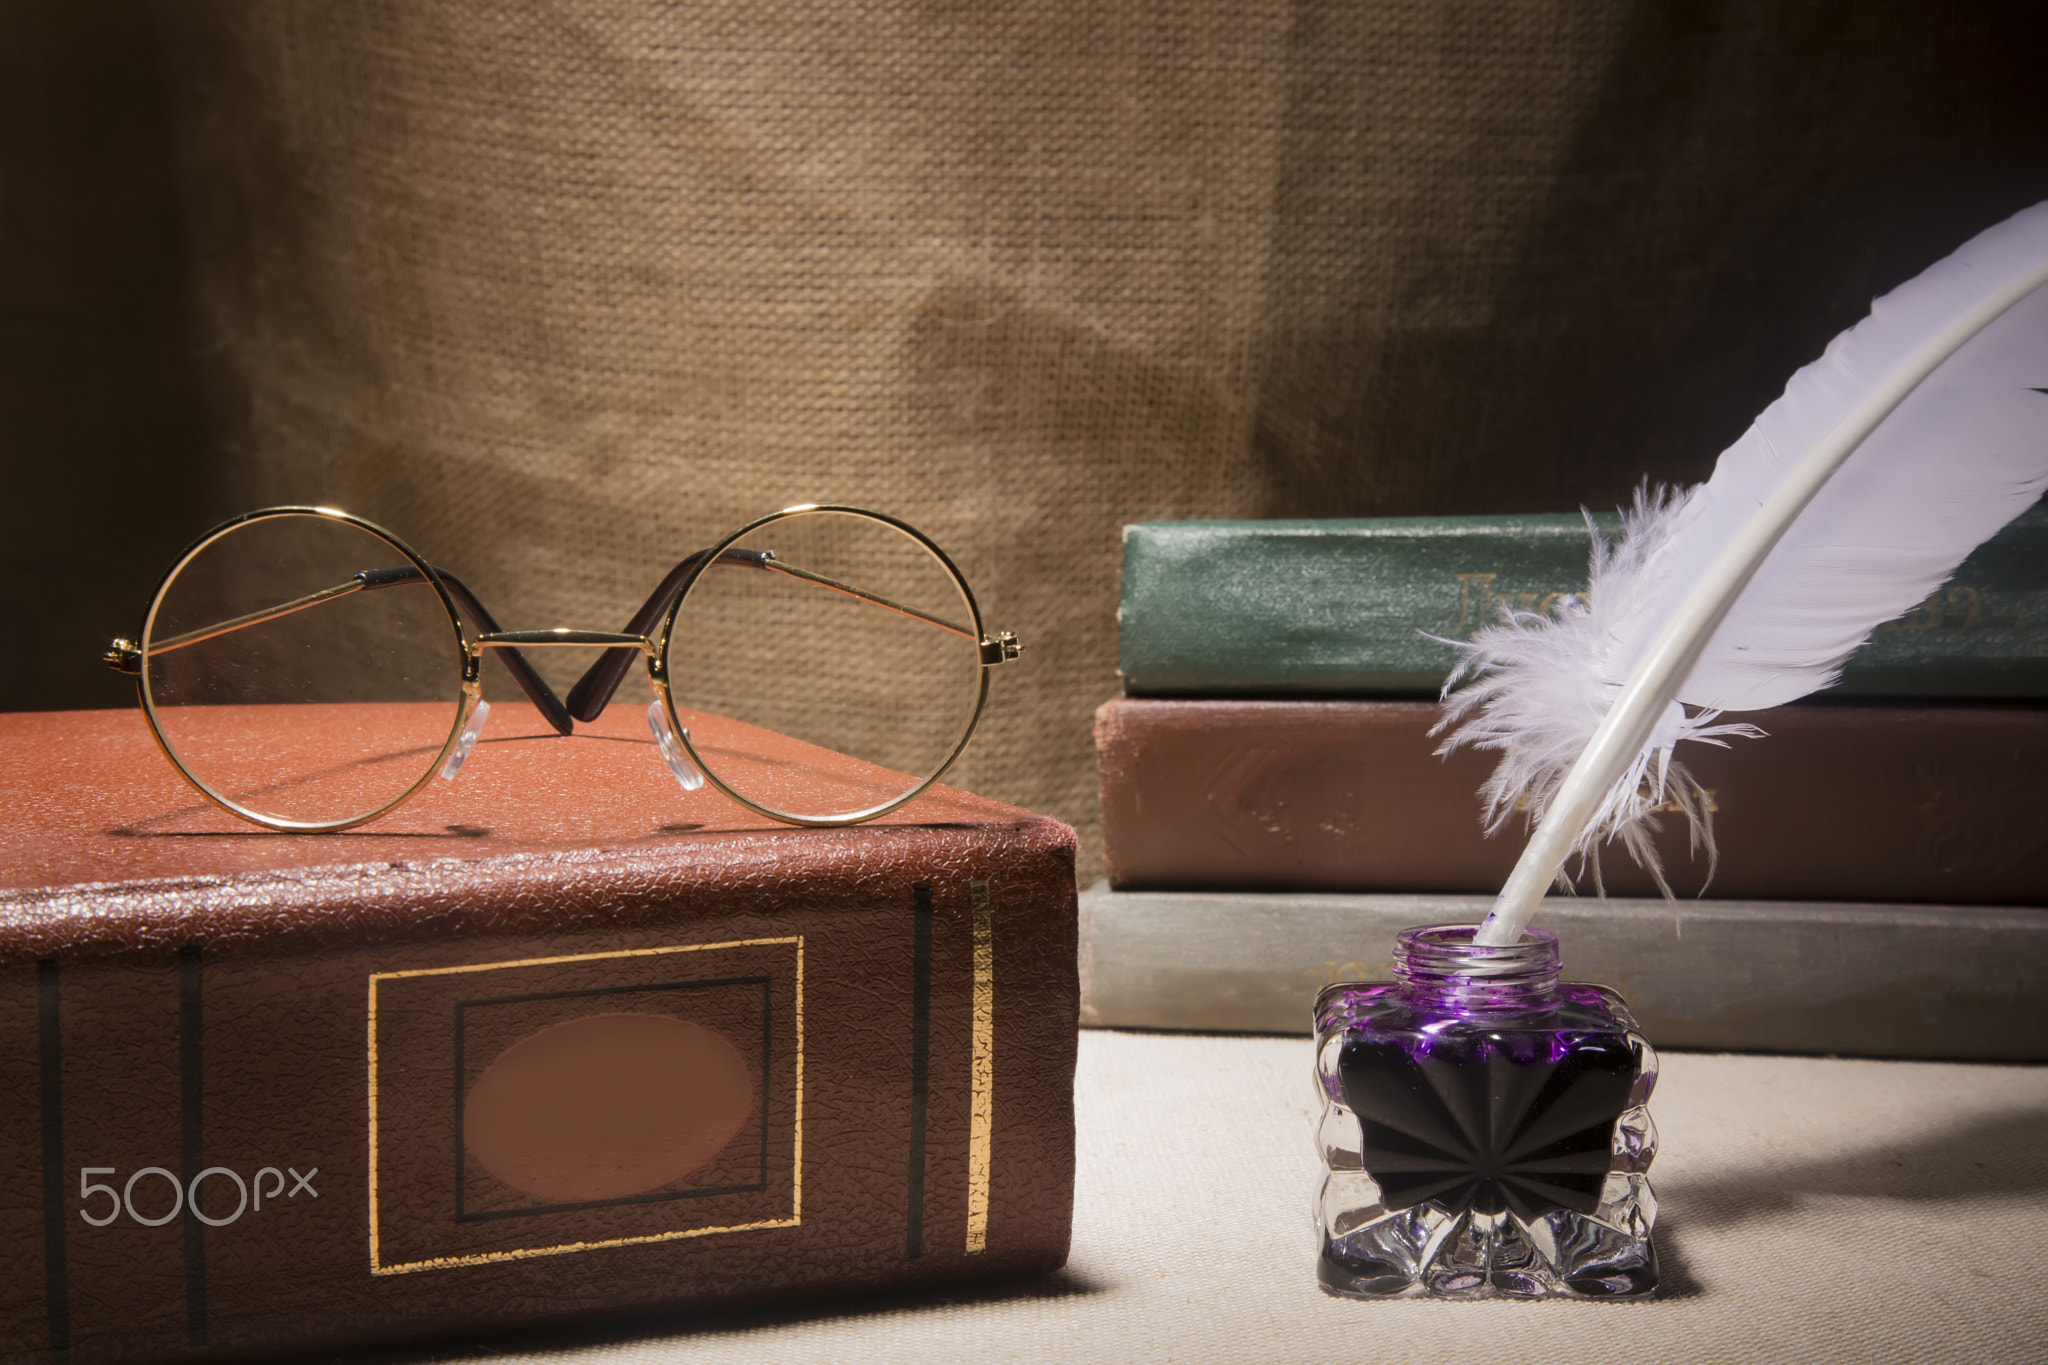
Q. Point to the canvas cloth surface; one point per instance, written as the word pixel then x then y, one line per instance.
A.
pixel 558 290
pixel 1812 1209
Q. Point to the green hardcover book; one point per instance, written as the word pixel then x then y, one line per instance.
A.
pixel 1344 606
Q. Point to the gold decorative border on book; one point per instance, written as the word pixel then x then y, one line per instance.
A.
pixel 982 1121
pixel 377 1267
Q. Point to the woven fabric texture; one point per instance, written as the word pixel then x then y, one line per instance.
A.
pixel 559 291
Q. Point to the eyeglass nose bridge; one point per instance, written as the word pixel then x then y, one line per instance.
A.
pixel 472 673
pixel 562 635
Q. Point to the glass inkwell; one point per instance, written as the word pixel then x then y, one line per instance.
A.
pixel 1483 1130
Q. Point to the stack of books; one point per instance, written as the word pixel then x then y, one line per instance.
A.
pixel 1274 808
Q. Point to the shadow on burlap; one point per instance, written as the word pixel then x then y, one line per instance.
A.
pixel 561 291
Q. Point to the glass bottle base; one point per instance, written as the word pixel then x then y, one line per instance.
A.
pixel 1429 1251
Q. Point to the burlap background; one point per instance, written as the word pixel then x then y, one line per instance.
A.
pixel 558 290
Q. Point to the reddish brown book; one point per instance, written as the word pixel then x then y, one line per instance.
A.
pixel 1945 804
pixel 555 1041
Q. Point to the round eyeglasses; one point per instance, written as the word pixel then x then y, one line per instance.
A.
pixel 306 670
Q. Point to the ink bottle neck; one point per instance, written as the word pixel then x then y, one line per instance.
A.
pixel 1442 971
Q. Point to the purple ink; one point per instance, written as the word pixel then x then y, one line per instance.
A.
pixel 1483 1130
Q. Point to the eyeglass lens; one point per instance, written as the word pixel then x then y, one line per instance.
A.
pixel 852 637
pixel 265 631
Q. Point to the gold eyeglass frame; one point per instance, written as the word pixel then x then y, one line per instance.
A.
pixel 126 656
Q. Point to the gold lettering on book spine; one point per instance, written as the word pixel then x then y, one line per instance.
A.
pixel 1934 613
pixel 982 1120
pixel 1479 604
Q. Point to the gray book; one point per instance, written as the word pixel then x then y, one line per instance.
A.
pixel 1774 976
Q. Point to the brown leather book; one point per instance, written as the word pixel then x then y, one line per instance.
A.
pixel 555 1041
pixel 1945 804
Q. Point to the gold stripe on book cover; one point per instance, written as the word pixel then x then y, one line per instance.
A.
pixel 982 1123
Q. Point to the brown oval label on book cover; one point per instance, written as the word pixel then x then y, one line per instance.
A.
pixel 607 1106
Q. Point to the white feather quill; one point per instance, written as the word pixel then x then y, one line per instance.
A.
pixel 1918 434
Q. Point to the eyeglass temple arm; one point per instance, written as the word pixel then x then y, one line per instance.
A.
pixel 537 691
pixel 600 682
pixel 124 657
pixel 594 690
pixel 863 595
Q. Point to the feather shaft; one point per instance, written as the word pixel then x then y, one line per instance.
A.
pixel 1630 722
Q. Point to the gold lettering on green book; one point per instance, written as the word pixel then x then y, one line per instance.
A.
pixel 1957 607
pixel 1479 603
